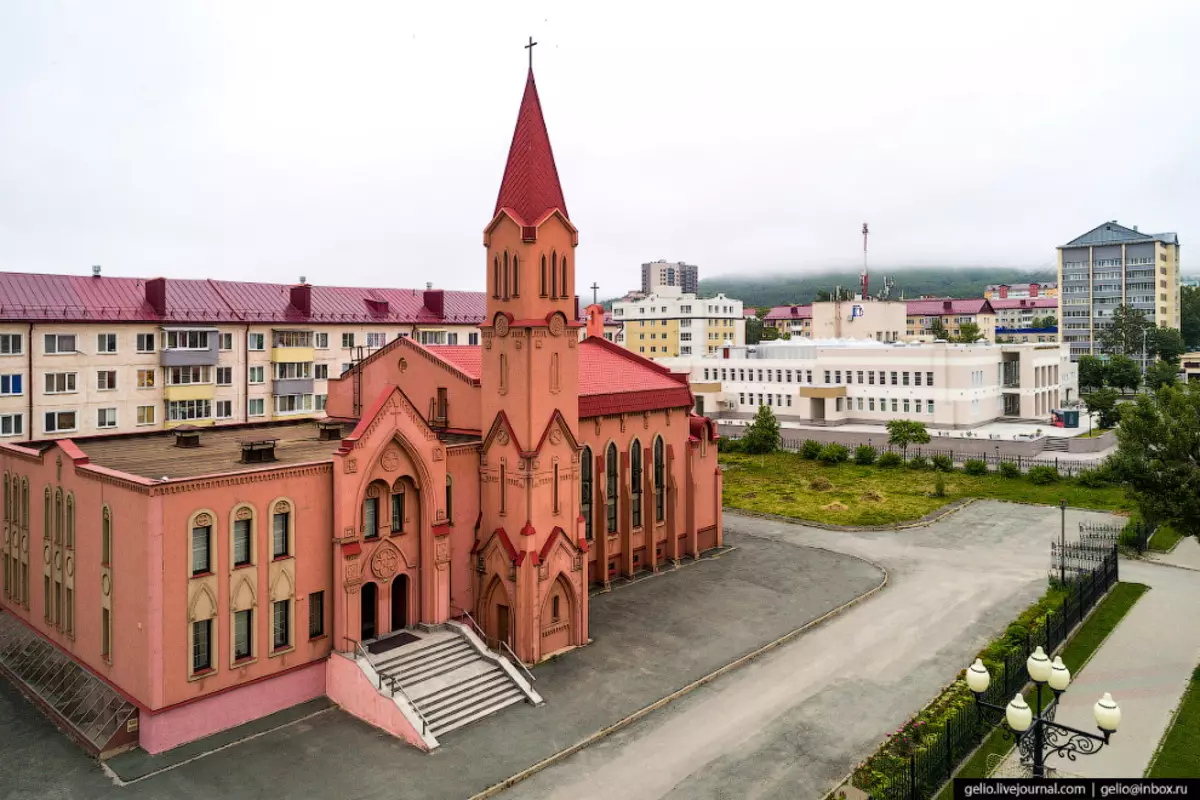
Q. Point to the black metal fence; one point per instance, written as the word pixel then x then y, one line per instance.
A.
pixel 935 757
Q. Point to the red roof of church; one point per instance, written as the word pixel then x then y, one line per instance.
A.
pixel 530 187
pixel 467 357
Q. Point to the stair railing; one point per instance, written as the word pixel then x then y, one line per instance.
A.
pixel 487 641
pixel 394 685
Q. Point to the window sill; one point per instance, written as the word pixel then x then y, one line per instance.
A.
pixel 396 533
pixel 243 662
pixel 247 565
pixel 200 675
pixel 282 651
pixel 283 557
pixel 205 574
pixel 318 637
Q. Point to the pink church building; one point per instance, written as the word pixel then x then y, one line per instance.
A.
pixel 407 557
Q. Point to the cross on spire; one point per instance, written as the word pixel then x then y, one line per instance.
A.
pixel 530 47
pixel 595 289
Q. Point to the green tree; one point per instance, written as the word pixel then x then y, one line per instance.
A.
pixel 769 333
pixel 754 331
pixel 1166 344
pixel 1126 332
pixel 905 432
pixel 938 331
pixel 1092 373
pixel 1189 316
pixel 1123 373
pixel 968 333
pixel 1160 374
pixel 1103 403
pixel 1158 445
pixel 762 435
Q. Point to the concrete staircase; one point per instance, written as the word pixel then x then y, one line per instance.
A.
pixel 452 679
pixel 1056 444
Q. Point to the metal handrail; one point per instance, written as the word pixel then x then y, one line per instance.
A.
pixel 393 684
pixel 487 642
pixel 519 662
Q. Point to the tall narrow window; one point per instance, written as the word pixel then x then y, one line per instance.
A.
pixel 241 542
pixel 562 284
pixel 516 277
pixel 554 607
pixel 505 282
pixel 70 535
pixel 47 515
pixel 635 482
pixel 68 621
pixel 397 509
pixel 201 537
pixel 316 614
pixel 496 277
pixel 555 386
pixel 280 628
pixel 106 634
pixel 660 480
pixel 554 489
pixel 610 488
pixel 503 372
pixel 202 645
pixel 542 282
pixel 449 498
pixel 58 516
pixel 554 276
pixel 280 534
pixel 585 491
pixel 243 629
pixel 106 537
pixel 370 517
pixel 503 488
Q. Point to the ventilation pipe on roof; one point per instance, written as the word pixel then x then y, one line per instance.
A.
pixel 300 297
pixel 95 270
pixel 156 294
pixel 435 300
pixel 428 285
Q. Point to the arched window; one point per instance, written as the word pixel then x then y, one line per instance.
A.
pixel 25 503
pixel 506 275
pixel 398 510
pixel 47 515
pixel 554 373
pixel 543 281
pixel 635 482
pixel 281 530
pixel 496 277
pixel 503 372
pixel 554 489
pixel 503 488
pixel 449 498
pixel 610 488
pixel 563 282
pixel 585 491
pixel 58 516
pixel 7 502
pixel 106 537
pixel 70 521
pixel 371 512
pixel 554 276
pixel 660 480
pixel 516 277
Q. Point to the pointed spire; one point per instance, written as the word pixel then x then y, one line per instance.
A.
pixel 530 187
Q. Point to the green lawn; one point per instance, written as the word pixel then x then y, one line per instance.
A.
pixel 1094 433
pixel 780 483
pixel 1179 754
pixel 1165 538
pixel 1077 651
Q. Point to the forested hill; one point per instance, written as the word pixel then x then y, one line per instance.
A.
pixel 776 290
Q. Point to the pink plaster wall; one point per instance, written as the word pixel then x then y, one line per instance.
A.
pixel 350 688
pixel 463 466
pixel 182 724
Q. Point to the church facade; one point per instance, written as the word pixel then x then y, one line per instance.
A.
pixel 206 578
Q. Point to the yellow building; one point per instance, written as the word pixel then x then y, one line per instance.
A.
pixel 670 323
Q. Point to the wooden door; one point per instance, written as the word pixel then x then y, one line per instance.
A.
pixel 502 624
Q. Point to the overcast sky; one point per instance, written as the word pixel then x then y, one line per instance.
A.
pixel 363 143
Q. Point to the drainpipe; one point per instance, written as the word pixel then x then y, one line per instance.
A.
pixel 246 373
pixel 29 380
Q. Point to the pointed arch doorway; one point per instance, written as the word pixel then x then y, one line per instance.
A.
pixel 400 602
pixel 370 605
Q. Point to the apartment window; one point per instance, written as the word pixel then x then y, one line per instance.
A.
pixel 827 375
pixel 316 614
pixel 201 549
pixel 12 424
pixel 224 376
pixel 106 418
pixel 11 344
pixel 145 415
pixel 256 341
pixel 870 403
pixel 145 342
pixel 11 384
pixel 929 379
pixel 181 410
pixel 290 370
pixel 185 376
pixel 916 379
pixel 257 374
pixel 870 377
pixel 894 404
pixel 280 523
pixel 187 340
pixel 319 401
pixel 894 377
pixel 929 406
pixel 224 409
pixel 106 343
pixel 280 635
pixel 321 340
pixel 59 343
pixel 224 341
pixel 202 645
pixel 860 404
pixel 106 380
pixel 376 340
pixel 789 401
pixel 347 340
pixel 906 406
pixel 241 542
pixel 60 421
pixel 256 407
pixel 837 376
pixel 145 378
pixel 918 406
pixel 60 382
pixel 291 338
pixel 321 372
pixel 473 338
pixel 293 403
pixel 242 630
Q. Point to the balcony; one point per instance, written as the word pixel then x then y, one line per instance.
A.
pixel 292 386
pixel 285 354
pixel 190 357
pixel 189 391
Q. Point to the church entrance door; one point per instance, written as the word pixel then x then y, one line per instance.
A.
pixel 400 603
pixel 502 624
pixel 370 598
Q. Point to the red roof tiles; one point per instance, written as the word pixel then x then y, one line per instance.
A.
pixel 789 312
pixel 530 187
pixel 975 305
pixel 1025 302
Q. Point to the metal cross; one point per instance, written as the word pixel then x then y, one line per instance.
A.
pixel 595 288
pixel 530 47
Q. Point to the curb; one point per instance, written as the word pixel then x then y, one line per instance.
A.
pixel 607 731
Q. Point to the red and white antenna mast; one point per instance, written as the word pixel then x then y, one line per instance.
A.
pixel 864 269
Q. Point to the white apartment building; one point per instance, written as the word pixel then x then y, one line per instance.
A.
pixel 92 355
pixel 834 382
pixel 669 323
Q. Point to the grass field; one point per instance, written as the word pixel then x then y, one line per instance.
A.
pixel 1075 654
pixel 1179 754
pixel 1165 538
pixel 782 483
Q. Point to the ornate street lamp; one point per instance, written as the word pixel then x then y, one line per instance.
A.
pixel 1038 735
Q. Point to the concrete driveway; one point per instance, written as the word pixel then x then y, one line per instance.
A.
pixel 794 723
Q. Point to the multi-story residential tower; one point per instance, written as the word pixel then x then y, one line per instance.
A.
pixel 671 323
pixel 1113 265
pixel 658 274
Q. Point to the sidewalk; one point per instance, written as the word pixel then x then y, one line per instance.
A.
pixel 1145 664
pixel 1185 554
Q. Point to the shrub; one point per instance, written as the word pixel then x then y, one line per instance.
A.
pixel 943 463
pixel 811 449
pixel 918 462
pixel 729 445
pixel 865 455
pixel 833 454
pixel 1042 475
pixel 975 466
pixel 939 485
pixel 1093 478
pixel 820 484
pixel 889 460
pixel 1009 470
